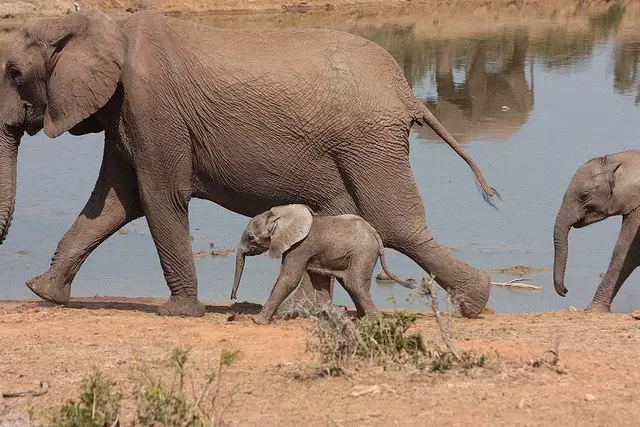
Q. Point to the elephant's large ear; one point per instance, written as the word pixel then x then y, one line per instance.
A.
pixel 87 51
pixel 289 224
pixel 625 188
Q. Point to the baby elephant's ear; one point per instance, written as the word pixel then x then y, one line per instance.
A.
pixel 290 224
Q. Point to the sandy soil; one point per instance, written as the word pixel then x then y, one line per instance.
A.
pixel 599 352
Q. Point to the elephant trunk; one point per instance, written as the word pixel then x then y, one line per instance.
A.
pixel 9 141
pixel 240 257
pixel 561 250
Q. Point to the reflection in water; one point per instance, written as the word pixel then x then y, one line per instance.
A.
pixel 625 69
pixel 486 104
pixel 479 80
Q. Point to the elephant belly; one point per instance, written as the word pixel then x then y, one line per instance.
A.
pixel 336 270
pixel 248 183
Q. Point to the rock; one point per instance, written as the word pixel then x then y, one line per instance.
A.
pixel 589 397
pixel 635 315
pixel 572 308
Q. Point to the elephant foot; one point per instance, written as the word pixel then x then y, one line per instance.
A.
pixel 598 308
pixel 182 306
pixel 50 288
pixel 260 320
pixel 473 298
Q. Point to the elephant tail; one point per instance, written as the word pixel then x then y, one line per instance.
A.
pixel 410 283
pixel 422 116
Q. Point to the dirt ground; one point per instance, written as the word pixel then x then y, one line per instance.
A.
pixel 598 384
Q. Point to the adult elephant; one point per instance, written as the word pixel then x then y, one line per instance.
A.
pixel 247 120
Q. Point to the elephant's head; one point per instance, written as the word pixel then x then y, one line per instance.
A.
pixel 275 230
pixel 600 188
pixel 57 74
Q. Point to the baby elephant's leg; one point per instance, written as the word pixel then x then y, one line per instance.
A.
pixel 291 272
pixel 358 287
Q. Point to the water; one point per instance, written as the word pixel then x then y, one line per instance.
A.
pixel 543 97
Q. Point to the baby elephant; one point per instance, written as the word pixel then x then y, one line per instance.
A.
pixel 345 246
pixel 602 187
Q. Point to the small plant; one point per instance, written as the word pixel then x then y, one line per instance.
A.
pixel 379 339
pixel 210 411
pixel 170 406
pixel 552 362
pixel 382 338
pixel 333 336
pixel 157 404
pixel 98 406
pixel 441 361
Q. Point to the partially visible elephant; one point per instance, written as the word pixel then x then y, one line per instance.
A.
pixel 602 187
pixel 475 108
pixel 343 246
pixel 246 120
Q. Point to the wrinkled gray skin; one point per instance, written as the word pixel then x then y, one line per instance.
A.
pixel 319 117
pixel 343 246
pixel 601 188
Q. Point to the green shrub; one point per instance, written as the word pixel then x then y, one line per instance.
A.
pixel 98 406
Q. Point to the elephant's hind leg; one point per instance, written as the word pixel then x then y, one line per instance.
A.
pixel 113 203
pixel 387 197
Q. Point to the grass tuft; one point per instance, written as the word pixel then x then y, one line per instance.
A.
pixel 98 405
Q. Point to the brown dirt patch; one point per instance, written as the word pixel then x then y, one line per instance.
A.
pixel 61 344
pixel 519 270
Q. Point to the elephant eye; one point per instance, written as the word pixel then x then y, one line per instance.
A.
pixel 13 73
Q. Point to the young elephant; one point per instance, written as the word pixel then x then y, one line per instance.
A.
pixel 345 246
pixel 602 187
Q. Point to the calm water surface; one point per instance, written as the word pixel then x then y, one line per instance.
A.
pixel 532 102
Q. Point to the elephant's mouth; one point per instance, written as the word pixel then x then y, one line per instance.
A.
pixel 34 121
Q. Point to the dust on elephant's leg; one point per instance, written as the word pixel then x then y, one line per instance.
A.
pixel 113 203
pixel 388 199
pixel 315 289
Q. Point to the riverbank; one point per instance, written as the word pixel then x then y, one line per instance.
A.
pixel 23 9
pixel 597 383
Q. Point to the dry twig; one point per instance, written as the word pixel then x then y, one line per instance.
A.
pixel 430 288
pixel 44 388
pixel 517 283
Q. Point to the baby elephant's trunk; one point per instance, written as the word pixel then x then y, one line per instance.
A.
pixel 240 256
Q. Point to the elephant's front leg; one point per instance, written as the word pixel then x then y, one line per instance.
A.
pixel 625 258
pixel 113 203
pixel 165 195
pixel 291 271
